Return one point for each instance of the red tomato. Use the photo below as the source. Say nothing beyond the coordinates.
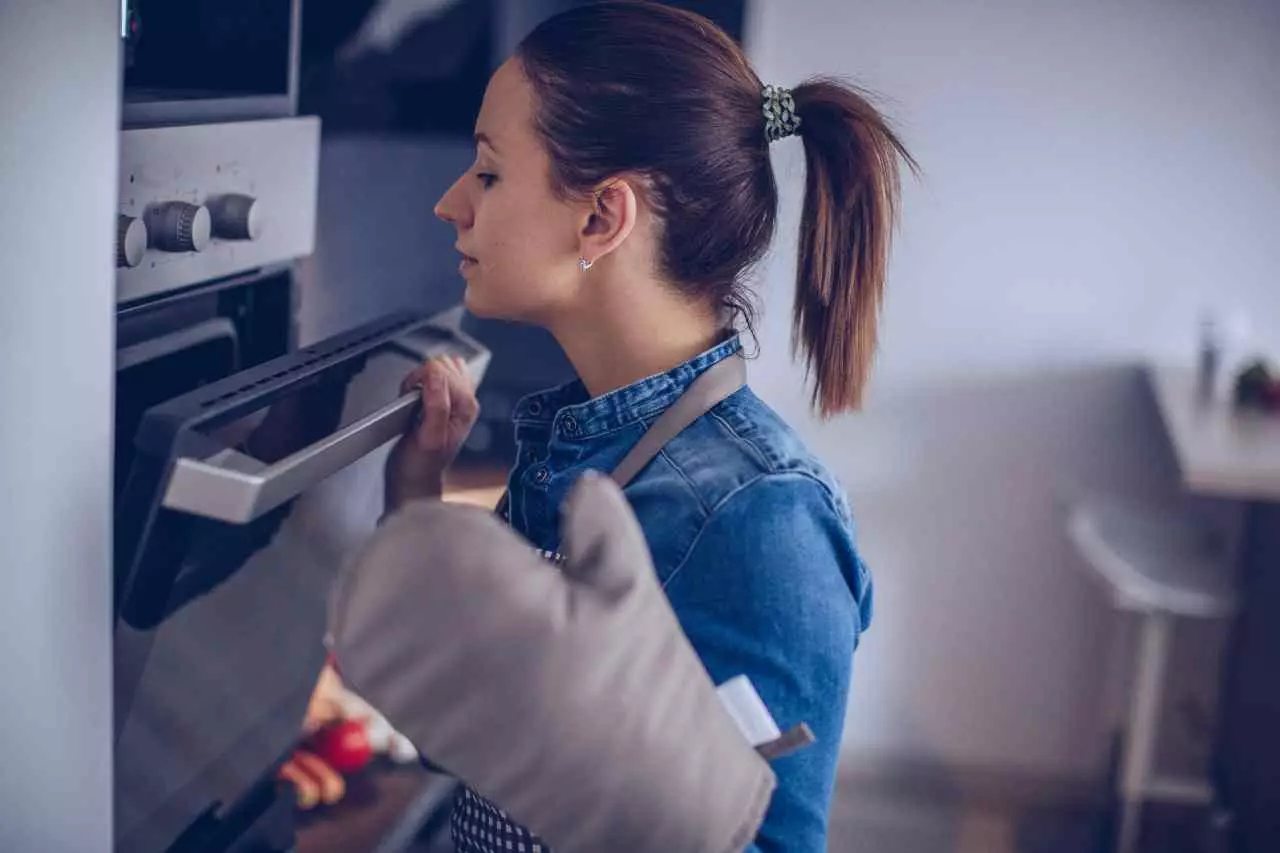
(344, 745)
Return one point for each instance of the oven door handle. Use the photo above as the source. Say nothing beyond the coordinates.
(233, 487)
(238, 489)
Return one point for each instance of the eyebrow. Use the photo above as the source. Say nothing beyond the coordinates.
(480, 136)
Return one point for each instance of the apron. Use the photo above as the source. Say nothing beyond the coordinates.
(705, 393)
(478, 826)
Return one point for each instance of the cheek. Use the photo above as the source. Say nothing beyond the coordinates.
(526, 241)
(525, 279)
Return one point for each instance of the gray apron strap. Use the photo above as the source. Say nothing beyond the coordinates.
(715, 384)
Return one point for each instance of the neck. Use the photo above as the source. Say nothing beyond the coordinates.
(649, 330)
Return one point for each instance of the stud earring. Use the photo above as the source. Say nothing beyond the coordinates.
(584, 264)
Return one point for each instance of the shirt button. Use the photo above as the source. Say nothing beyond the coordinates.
(570, 425)
(542, 476)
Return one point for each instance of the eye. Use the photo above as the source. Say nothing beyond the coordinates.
(487, 179)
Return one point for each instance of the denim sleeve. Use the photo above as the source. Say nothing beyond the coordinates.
(770, 589)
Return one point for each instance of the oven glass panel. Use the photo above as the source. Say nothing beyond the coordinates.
(160, 368)
(215, 692)
(205, 48)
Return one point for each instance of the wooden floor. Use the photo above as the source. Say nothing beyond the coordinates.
(908, 825)
(480, 485)
(862, 820)
(373, 820)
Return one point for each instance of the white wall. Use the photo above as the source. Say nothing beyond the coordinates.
(1095, 174)
(59, 117)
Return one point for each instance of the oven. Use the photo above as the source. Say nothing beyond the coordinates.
(209, 60)
(245, 466)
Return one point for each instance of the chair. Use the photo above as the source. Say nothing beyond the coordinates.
(1161, 565)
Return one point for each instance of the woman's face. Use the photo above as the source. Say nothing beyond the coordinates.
(520, 242)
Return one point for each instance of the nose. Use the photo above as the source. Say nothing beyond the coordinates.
(453, 206)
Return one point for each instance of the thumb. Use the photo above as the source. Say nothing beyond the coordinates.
(434, 432)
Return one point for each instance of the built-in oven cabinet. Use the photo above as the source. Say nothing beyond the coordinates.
(200, 203)
(223, 556)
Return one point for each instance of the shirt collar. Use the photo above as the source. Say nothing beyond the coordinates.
(571, 413)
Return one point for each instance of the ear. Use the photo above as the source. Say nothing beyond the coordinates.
(609, 220)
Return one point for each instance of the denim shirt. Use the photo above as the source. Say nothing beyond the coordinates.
(753, 542)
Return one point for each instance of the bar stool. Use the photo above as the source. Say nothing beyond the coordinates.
(1161, 565)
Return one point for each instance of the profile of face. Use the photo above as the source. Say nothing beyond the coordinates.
(520, 242)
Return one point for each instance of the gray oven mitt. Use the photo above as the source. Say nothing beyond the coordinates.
(568, 696)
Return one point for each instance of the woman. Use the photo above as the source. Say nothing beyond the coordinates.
(622, 188)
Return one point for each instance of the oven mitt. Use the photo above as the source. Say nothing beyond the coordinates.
(568, 696)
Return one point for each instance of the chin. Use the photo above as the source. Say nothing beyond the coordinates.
(489, 309)
(478, 306)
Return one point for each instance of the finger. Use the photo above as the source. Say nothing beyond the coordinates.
(447, 369)
(465, 406)
(465, 369)
(308, 790)
(332, 785)
(460, 386)
(457, 369)
(461, 364)
(415, 378)
(462, 394)
(451, 369)
(436, 404)
(321, 711)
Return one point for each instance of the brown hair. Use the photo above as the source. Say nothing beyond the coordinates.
(632, 87)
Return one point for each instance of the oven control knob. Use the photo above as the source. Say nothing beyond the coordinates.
(131, 240)
(236, 217)
(176, 226)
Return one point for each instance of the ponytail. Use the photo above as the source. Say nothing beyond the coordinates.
(647, 89)
(851, 198)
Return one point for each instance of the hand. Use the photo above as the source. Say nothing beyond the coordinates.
(316, 777)
(326, 705)
(416, 465)
(314, 781)
(312, 778)
(569, 643)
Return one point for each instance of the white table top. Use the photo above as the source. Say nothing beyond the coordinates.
(1221, 452)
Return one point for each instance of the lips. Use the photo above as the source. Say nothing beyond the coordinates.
(466, 265)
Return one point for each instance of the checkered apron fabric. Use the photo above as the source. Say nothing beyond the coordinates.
(479, 826)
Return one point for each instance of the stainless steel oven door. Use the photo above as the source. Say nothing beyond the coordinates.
(224, 560)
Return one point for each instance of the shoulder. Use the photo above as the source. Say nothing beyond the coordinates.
(778, 557)
(739, 463)
(739, 441)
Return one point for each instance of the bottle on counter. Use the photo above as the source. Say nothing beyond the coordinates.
(1210, 356)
